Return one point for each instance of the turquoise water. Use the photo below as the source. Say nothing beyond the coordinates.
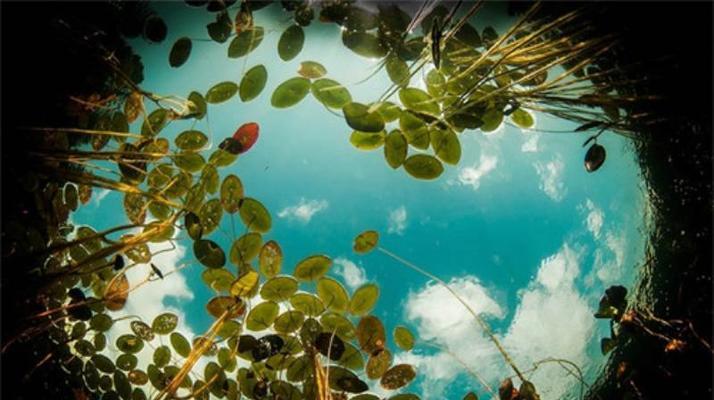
(519, 227)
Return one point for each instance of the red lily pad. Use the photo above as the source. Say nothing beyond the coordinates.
(247, 135)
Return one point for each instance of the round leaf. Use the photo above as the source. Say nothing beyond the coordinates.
(231, 193)
(270, 259)
(312, 268)
(365, 242)
(398, 376)
(522, 118)
(370, 334)
(245, 284)
(446, 145)
(209, 253)
(311, 70)
(254, 215)
(246, 248)
(180, 344)
(395, 148)
(245, 42)
(289, 321)
(367, 140)
(307, 303)
(164, 323)
(191, 140)
(364, 299)
(332, 294)
(279, 288)
(217, 306)
(262, 316)
(419, 101)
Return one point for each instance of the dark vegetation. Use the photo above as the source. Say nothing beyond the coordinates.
(42, 66)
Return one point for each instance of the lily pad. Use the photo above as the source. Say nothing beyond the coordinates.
(270, 259)
(246, 284)
(311, 70)
(279, 288)
(522, 118)
(398, 376)
(364, 299)
(419, 101)
(414, 130)
(231, 193)
(345, 380)
(395, 148)
(191, 140)
(404, 338)
(446, 145)
(370, 334)
(164, 324)
(129, 344)
(246, 248)
(397, 70)
(332, 294)
(367, 140)
(307, 303)
(245, 42)
(330, 93)
(217, 306)
(365, 242)
(290, 92)
(291, 42)
(312, 268)
(289, 321)
(361, 118)
(254, 215)
(209, 253)
(423, 166)
(221, 92)
(180, 52)
(262, 316)
(253, 83)
(180, 344)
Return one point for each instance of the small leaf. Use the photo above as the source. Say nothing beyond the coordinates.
(403, 338)
(180, 344)
(279, 288)
(270, 259)
(197, 105)
(191, 140)
(364, 299)
(361, 118)
(217, 306)
(365, 242)
(254, 215)
(164, 323)
(330, 93)
(522, 118)
(307, 303)
(312, 268)
(245, 42)
(231, 193)
(419, 101)
(262, 316)
(291, 42)
(221, 92)
(332, 294)
(446, 145)
(423, 166)
(367, 140)
(208, 253)
(253, 83)
(363, 43)
(370, 334)
(594, 158)
(397, 70)
(245, 284)
(378, 363)
(180, 52)
(395, 148)
(398, 376)
(311, 70)
(246, 248)
(116, 293)
(290, 92)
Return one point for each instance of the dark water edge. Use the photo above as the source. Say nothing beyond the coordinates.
(676, 158)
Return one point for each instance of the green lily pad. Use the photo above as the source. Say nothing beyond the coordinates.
(291, 42)
(290, 92)
(164, 324)
(279, 288)
(231, 193)
(289, 321)
(367, 140)
(364, 299)
(209, 253)
(414, 129)
(262, 316)
(180, 52)
(126, 361)
(378, 363)
(218, 278)
(129, 344)
(332, 294)
(395, 148)
(180, 344)
(311, 70)
(253, 83)
(270, 259)
(198, 106)
(419, 101)
(246, 248)
(389, 111)
(312, 268)
(365, 242)
(397, 70)
(254, 215)
(245, 42)
(210, 215)
(336, 322)
(189, 161)
(191, 140)
(423, 166)
(330, 93)
(522, 118)
(221, 92)
(370, 334)
(307, 303)
(404, 338)
(446, 145)
(361, 118)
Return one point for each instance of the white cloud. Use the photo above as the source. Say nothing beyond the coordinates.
(551, 178)
(304, 210)
(471, 176)
(595, 218)
(397, 220)
(531, 145)
(353, 275)
(609, 268)
(552, 319)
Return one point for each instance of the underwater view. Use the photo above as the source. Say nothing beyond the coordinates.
(356, 200)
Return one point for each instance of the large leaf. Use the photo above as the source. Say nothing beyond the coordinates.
(364, 299)
(330, 93)
(253, 83)
(312, 268)
(254, 215)
(291, 42)
(360, 117)
(446, 145)
(423, 166)
(311, 70)
(245, 42)
(180, 52)
(290, 92)
(332, 294)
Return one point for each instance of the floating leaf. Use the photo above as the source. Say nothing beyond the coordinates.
(246, 135)
(197, 105)
(338, 323)
(312, 268)
(164, 323)
(492, 119)
(364, 299)
(311, 70)
(330, 93)
(180, 344)
(403, 338)
(351, 358)
(522, 118)
(419, 101)
(307, 303)
(126, 362)
(180, 52)
(246, 248)
(289, 321)
(363, 43)
(389, 111)
(446, 145)
(398, 376)
(129, 344)
(231, 193)
(279, 288)
(332, 294)
(142, 330)
(116, 293)
(370, 334)
(290, 92)
(245, 284)
(270, 259)
(221, 92)
(253, 83)
(367, 140)
(101, 322)
(189, 161)
(254, 215)
(397, 70)
(423, 166)
(210, 215)
(594, 158)
(361, 118)
(395, 148)
(345, 380)
(217, 306)
(154, 123)
(191, 140)
(414, 129)
(267, 346)
(435, 83)
(220, 30)
(291, 42)
(365, 242)
(378, 363)
(330, 345)
(262, 316)
(218, 279)
(245, 42)
(209, 253)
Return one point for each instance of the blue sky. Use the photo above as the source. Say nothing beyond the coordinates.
(528, 237)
